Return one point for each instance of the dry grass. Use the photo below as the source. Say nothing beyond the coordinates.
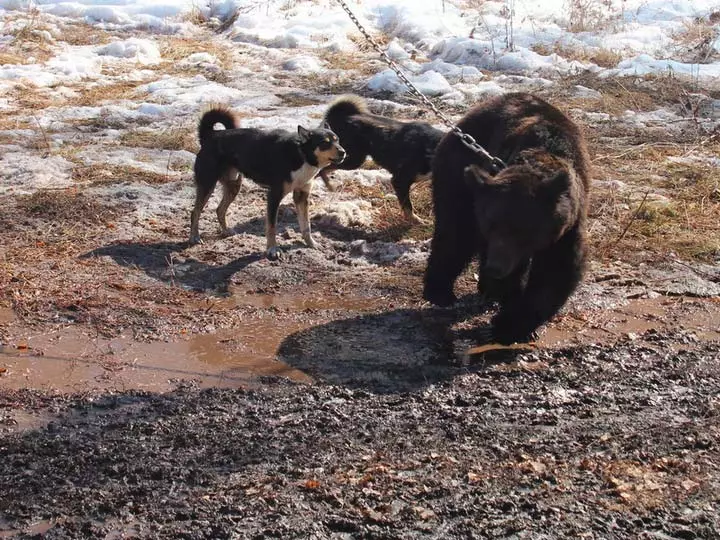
(389, 223)
(64, 206)
(95, 94)
(174, 50)
(99, 174)
(696, 41)
(165, 139)
(79, 34)
(686, 222)
(642, 94)
(605, 58)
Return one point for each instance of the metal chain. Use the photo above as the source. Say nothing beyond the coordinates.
(468, 140)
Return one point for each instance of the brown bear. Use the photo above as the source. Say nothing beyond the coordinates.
(526, 223)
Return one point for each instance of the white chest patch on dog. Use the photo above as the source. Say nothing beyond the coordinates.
(303, 176)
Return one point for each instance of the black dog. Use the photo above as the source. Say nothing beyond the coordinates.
(279, 160)
(404, 149)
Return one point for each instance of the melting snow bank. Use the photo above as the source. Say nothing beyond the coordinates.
(25, 173)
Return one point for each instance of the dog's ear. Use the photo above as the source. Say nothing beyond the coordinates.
(304, 133)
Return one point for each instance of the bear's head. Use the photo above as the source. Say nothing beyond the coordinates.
(523, 209)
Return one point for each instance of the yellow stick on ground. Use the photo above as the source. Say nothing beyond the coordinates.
(531, 346)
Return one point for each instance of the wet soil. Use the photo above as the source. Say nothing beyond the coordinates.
(588, 441)
(153, 389)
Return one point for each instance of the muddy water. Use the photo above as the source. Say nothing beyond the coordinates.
(299, 302)
(71, 360)
(76, 359)
(635, 318)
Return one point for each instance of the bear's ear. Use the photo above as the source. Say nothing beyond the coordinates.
(304, 133)
(476, 177)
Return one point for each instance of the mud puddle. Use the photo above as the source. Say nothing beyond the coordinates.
(303, 301)
(698, 316)
(77, 359)
(71, 360)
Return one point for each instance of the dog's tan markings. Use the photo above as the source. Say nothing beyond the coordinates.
(201, 199)
(231, 182)
(301, 199)
(271, 248)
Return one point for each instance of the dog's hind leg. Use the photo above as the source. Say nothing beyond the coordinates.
(401, 183)
(301, 199)
(231, 182)
(203, 190)
(275, 195)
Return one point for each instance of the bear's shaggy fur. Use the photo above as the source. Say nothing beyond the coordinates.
(526, 223)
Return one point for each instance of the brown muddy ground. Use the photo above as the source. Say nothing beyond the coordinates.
(152, 389)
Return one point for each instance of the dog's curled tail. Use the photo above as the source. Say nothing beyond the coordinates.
(345, 106)
(216, 115)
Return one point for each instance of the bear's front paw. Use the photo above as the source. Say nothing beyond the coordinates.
(507, 330)
(441, 298)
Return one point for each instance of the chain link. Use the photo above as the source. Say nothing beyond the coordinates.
(468, 140)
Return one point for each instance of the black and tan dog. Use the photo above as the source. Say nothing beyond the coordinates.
(405, 149)
(279, 160)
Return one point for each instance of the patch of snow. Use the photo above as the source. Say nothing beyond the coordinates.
(303, 64)
(26, 173)
(430, 83)
(356, 213)
(143, 51)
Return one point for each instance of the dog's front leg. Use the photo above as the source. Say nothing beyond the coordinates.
(273, 204)
(301, 198)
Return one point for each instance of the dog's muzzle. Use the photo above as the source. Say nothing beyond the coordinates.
(340, 157)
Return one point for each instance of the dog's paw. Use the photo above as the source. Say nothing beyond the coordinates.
(273, 253)
(309, 242)
(331, 186)
(417, 220)
(195, 239)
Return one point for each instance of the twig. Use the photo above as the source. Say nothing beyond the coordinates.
(630, 222)
(45, 137)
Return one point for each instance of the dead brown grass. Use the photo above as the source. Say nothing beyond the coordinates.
(686, 222)
(78, 34)
(167, 139)
(64, 206)
(605, 58)
(696, 41)
(173, 50)
(645, 93)
(389, 222)
(116, 174)
(31, 39)
(95, 94)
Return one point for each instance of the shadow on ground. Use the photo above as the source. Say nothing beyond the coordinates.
(395, 351)
(157, 261)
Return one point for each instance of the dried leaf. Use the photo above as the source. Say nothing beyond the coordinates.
(22, 346)
(312, 484)
(2, 370)
(473, 477)
(689, 485)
